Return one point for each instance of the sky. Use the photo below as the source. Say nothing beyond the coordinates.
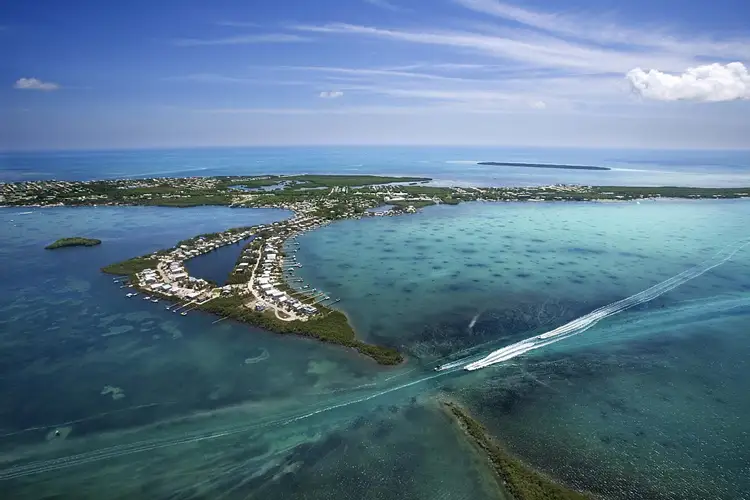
(92, 74)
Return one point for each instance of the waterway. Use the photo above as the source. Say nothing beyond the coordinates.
(649, 403)
(216, 265)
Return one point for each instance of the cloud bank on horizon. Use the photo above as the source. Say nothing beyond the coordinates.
(451, 71)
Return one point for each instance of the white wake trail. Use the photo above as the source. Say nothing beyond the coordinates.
(585, 322)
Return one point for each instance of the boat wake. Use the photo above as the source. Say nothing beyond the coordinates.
(470, 361)
(585, 322)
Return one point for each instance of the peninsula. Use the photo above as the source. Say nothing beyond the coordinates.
(262, 289)
(541, 165)
(73, 242)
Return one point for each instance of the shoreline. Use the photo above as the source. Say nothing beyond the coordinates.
(271, 302)
(151, 275)
(515, 479)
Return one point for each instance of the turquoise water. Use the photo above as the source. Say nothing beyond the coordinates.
(649, 403)
(448, 165)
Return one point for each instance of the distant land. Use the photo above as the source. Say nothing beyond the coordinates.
(541, 165)
(73, 242)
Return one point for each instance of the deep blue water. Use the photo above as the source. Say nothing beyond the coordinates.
(448, 165)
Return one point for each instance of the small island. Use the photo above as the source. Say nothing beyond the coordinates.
(73, 242)
(541, 165)
(514, 478)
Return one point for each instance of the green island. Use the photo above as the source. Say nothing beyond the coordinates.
(514, 478)
(333, 195)
(262, 290)
(73, 242)
(541, 165)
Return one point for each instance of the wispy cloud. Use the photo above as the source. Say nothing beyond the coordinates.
(218, 78)
(258, 38)
(542, 59)
(518, 59)
(371, 72)
(331, 94)
(386, 4)
(35, 84)
(337, 110)
(599, 29)
(238, 24)
(521, 47)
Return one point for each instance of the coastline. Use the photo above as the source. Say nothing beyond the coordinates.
(241, 301)
(515, 479)
(332, 198)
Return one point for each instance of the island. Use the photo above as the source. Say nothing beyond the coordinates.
(259, 290)
(541, 165)
(514, 478)
(262, 289)
(73, 242)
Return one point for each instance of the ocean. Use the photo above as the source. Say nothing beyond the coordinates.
(447, 165)
(647, 403)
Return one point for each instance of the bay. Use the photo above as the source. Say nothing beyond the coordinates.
(649, 403)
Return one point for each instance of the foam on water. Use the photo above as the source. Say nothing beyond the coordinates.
(583, 323)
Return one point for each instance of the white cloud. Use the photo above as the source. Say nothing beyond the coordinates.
(34, 84)
(538, 105)
(333, 94)
(385, 4)
(241, 40)
(708, 83)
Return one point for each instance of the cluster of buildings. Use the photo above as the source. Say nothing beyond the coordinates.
(262, 263)
(49, 192)
(269, 267)
(170, 276)
(202, 244)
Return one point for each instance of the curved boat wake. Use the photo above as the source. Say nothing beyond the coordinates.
(585, 322)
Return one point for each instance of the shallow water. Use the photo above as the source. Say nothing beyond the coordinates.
(447, 165)
(649, 403)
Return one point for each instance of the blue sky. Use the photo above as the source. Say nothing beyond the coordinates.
(605, 73)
